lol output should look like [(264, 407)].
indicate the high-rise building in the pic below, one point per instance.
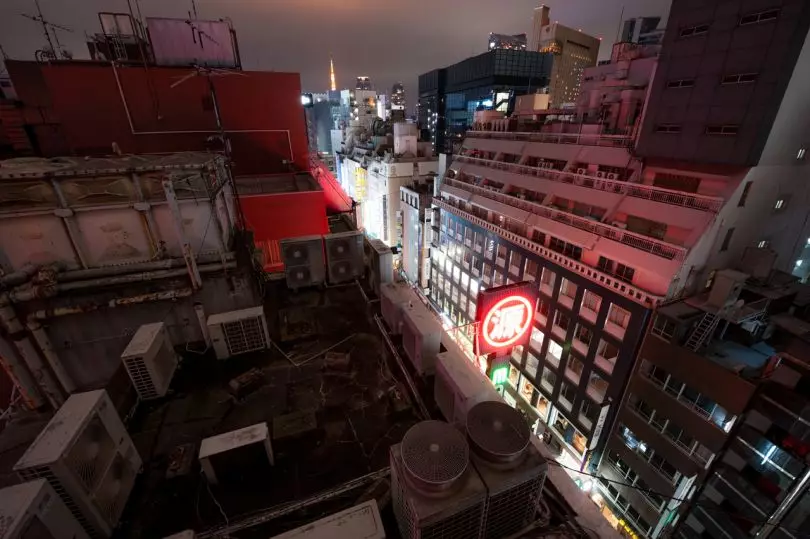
[(573, 50), (332, 83), (398, 96), (363, 83), (642, 30), (415, 202), (503, 41)]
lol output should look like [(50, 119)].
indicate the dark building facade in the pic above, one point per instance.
[(488, 81), (722, 73)]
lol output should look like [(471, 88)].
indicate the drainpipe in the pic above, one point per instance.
[(55, 312), (28, 352), (45, 345), (72, 228), (169, 263), (177, 221), (200, 312), (19, 373)]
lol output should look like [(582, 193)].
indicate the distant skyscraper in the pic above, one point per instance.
[(332, 74), (398, 96), (502, 41), (363, 83), (642, 30)]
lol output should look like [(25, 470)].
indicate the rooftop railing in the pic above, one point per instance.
[(613, 141)]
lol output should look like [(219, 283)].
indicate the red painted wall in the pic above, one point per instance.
[(77, 108)]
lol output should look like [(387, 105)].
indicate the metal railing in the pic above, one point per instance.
[(636, 190), (608, 281), (586, 139), (638, 241)]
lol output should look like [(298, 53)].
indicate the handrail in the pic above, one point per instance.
[(603, 279), (615, 141), (636, 190), (638, 241)]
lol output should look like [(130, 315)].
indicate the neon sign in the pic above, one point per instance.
[(505, 317)]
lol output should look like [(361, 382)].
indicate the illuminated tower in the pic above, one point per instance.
[(332, 73)]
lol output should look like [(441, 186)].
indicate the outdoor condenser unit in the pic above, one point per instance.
[(150, 361), (33, 510), (238, 332)]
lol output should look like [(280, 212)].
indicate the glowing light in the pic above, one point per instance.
[(507, 321)]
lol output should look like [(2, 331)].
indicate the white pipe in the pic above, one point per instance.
[(200, 312), (169, 263), (190, 132), (45, 345)]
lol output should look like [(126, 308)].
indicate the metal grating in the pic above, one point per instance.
[(511, 510), (497, 431), (246, 335), (141, 379), (45, 472), (465, 524), (91, 454), (434, 453)]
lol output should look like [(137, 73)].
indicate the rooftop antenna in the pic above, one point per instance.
[(194, 9), (619, 29), (46, 28)]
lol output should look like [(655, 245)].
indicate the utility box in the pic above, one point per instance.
[(421, 337), (238, 455)]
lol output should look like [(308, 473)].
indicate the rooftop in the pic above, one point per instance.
[(299, 182)]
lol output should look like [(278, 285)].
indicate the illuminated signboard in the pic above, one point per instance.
[(504, 316)]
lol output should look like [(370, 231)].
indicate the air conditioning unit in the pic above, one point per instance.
[(344, 256), (434, 490), (237, 456), (381, 264), (88, 458), (612, 176), (359, 522), (238, 332), (459, 386), (303, 261), (150, 361), (508, 464), (582, 171), (600, 174), (421, 337), (619, 224), (33, 510), (393, 298)]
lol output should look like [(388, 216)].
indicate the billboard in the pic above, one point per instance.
[(180, 42), (504, 317)]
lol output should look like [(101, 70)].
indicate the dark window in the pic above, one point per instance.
[(668, 128), (681, 83), (677, 182), (740, 78), (725, 130), (625, 273), (692, 31), (565, 248), (727, 240), (568, 392), (760, 16), (605, 264), (744, 195)]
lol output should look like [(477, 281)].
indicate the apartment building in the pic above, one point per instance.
[(415, 231)]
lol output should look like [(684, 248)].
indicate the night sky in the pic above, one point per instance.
[(388, 40)]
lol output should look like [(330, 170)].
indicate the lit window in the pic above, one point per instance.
[(762, 244), (799, 263), (779, 204), (801, 153)]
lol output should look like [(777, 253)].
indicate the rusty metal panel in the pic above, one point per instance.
[(38, 239), (198, 227), (111, 189), (178, 42), (113, 236), (27, 195)]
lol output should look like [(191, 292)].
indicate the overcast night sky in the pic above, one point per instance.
[(388, 40)]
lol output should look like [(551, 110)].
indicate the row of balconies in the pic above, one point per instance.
[(613, 141), (636, 190)]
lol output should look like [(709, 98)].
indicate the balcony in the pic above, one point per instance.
[(636, 190), (612, 141), (637, 241), (602, 279)]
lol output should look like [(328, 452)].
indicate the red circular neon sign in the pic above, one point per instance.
[(507, 321)]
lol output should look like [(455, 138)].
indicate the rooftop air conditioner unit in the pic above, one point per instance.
[(434, 490), (600, 174), (88, 458), (238, 332), (381, 264), (582, 171), (344, 256), (237, 456), (459, 386), (303, 261), (394, 297), (421, 337), (508, 464), (150, 361), (612, 176), (34, 511)]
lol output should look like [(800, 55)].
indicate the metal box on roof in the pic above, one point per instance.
[(235, 452), (33, 510), (392, 298), (359, 522), (150, 361), (238, 332), (421, 337), (459, 386)]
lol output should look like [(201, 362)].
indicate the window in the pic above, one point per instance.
[(618, 316), (565, 248), (676, 182), (549, 379), (739, 78), (727, 240), (744, 194), (780, 204), (584, 335), (531, 269), (668, 128), (573, 368), (801, 153), (762, 244), (605, 264), (692, 31), (597, 387), (562, 320), (568, 289), (536, 340), (531, 365), (624, 273), (568, 393), (681, 83), (759, 17), (606, 355), (663, 327), (591, 301), (722, 130), (589, 410)]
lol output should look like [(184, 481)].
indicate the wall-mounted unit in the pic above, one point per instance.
[(237, 456), (612, 176), (303, 261), (238, 332), (33, 510), (150, 361), (421, 337), (434, 490), (393, 298), (582, 171), (344, 256), (508, 464), (459, 386), (380, 264), (359, 522), (88, 458)]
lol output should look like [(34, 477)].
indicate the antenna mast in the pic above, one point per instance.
[(44, 25)]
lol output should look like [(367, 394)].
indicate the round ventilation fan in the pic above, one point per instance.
[(497, 432), (434, 454)]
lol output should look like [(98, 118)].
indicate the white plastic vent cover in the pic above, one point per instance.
[(238, 332), (150, 361), (33, 511)]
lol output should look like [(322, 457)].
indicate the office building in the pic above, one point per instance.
[(398, 96), (363, 83), (573, 50), (642, 30), (449, 97), (415, 217), (502, 41)]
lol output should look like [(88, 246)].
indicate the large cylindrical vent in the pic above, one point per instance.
[(497, 432), (435, 456)]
